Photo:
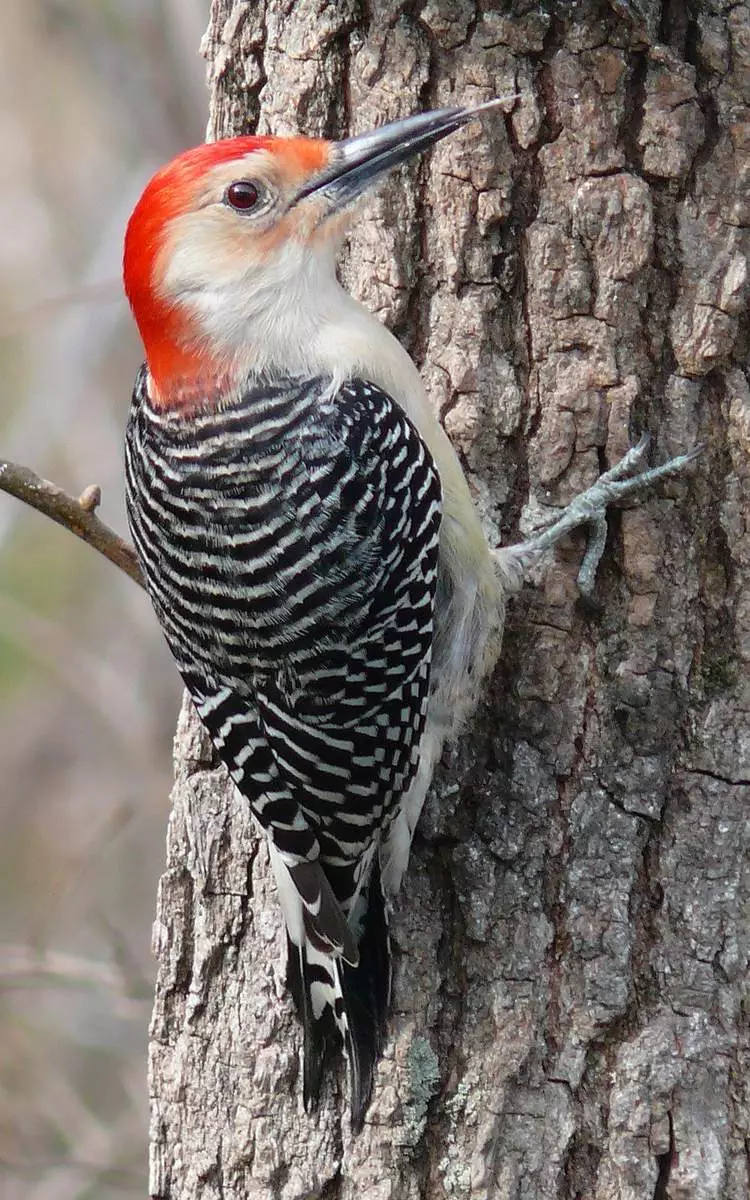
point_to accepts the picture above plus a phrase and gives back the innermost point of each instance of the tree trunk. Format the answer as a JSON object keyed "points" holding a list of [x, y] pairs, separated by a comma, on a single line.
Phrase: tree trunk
{"points": [[570, 1000]]}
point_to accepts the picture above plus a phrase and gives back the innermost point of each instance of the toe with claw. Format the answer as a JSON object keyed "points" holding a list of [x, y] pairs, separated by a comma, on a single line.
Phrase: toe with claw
{"points": [[626, 478]]}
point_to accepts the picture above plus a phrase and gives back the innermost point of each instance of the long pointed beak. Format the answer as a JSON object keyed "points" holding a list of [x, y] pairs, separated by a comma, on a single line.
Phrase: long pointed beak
{"points": [[359, 162]]}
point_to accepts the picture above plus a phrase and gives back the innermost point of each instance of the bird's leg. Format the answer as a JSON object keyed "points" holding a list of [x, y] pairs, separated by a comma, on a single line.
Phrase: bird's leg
{"points": [[590, 508]]}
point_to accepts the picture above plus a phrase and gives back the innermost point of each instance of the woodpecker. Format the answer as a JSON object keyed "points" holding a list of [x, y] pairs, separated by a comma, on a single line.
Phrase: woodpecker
{"points": [[309, 541]]}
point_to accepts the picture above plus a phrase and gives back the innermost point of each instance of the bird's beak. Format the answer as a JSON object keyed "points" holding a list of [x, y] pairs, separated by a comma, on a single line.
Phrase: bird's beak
{"points": [[359, 162]]}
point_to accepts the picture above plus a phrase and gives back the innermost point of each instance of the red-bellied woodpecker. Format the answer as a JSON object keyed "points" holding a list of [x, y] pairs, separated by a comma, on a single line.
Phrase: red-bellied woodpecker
{"points": [[309, 541]]}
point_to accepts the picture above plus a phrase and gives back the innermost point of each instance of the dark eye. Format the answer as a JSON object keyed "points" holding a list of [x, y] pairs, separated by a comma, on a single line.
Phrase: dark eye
{"points": [[242, 195]]}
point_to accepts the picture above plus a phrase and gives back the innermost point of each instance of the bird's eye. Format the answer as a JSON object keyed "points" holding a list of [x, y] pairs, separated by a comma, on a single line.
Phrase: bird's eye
{"points": [[243, 195]]}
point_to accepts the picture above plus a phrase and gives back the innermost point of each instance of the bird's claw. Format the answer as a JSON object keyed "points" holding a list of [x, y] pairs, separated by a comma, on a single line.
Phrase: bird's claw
{"points": [[625, 478]]}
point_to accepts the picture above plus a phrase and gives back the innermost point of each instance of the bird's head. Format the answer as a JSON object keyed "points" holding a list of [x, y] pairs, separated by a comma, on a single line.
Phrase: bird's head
{"points": [[231, 248]]}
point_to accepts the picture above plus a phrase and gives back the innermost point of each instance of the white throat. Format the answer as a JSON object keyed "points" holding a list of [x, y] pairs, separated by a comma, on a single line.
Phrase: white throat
{"points": [[291, 315]]}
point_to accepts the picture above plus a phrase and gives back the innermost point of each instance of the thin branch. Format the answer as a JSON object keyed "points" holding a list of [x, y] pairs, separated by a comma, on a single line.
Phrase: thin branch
{"points": [[76, 515]]}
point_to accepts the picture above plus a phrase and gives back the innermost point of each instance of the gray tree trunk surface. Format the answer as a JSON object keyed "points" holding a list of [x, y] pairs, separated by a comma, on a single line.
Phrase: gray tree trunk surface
{"points": [[570, 1011]]}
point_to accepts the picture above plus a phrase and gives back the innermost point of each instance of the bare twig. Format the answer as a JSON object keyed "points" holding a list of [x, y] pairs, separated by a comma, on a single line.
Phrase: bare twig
{"points": [[76, 515]]}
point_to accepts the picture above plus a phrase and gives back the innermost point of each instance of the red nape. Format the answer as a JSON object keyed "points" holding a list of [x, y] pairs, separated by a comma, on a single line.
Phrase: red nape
{"points": [[171, 192], [168, 194]]}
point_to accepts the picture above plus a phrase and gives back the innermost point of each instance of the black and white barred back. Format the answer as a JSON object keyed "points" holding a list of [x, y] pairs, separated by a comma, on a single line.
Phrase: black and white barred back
{"points": [[289, 541]]}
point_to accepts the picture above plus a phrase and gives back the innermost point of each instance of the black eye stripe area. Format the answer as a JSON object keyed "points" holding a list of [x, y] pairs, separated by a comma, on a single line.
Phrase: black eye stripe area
{"points": [[242, 195]]}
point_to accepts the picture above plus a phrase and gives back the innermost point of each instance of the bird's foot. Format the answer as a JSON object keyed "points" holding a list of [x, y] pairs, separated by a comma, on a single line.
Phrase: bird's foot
{"points": [[627, 477]]}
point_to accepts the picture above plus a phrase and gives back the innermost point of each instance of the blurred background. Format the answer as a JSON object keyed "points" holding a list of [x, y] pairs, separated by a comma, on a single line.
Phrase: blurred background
{"points": [[93, 96]]}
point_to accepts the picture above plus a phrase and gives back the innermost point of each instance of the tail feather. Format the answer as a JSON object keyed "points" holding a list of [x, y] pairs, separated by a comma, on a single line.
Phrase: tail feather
{"points": [[324, 922], [366, 991], [340, 1002], [320, 1034]]}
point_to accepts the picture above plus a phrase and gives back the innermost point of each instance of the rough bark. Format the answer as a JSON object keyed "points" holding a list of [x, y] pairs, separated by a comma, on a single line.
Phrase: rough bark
{"points": [[570, 1002]]}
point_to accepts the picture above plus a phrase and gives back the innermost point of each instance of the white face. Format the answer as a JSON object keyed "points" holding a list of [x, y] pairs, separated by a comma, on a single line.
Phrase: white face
{"points": [[252, 272]]}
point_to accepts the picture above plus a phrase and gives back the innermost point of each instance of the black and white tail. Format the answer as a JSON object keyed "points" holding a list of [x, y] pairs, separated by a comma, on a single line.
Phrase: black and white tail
{"points": [[340, 1000]]}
